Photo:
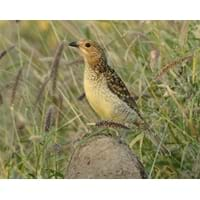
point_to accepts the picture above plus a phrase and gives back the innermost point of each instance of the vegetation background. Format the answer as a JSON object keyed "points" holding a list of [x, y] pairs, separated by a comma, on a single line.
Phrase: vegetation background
{"points": [[41, 118]]}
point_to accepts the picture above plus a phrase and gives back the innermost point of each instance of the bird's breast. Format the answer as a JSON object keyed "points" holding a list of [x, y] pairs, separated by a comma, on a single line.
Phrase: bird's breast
{"points": [[107, 105], [98, 96]]}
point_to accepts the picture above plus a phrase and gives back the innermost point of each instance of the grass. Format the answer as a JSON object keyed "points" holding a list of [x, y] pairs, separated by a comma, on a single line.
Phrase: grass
{"points": [[41, 79]]}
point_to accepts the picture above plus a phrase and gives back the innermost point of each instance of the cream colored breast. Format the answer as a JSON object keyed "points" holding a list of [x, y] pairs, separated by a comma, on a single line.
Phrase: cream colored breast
{"points": [[98, 97]]}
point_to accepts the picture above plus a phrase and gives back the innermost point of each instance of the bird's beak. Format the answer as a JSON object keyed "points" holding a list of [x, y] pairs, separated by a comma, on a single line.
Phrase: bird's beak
{"points": [[74, 44]]}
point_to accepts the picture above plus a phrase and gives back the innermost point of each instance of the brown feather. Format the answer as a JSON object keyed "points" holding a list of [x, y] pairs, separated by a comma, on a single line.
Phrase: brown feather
{"points": [[117, 86]]}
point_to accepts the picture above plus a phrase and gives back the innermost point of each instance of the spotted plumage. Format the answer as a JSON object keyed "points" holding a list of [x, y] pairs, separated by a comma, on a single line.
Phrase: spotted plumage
{"points": [[116, 85], [105, 91]]}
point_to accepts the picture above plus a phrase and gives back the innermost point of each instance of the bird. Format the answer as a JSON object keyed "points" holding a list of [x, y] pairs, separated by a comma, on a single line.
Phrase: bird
{"points": [[105, 91]]}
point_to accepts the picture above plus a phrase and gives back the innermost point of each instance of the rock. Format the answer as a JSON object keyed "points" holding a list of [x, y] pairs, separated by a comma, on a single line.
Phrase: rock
{"points": [[104, 157]]}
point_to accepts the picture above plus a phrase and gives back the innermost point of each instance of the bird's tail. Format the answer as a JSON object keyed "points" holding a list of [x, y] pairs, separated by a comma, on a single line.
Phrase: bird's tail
{"points": [[152, 137]]}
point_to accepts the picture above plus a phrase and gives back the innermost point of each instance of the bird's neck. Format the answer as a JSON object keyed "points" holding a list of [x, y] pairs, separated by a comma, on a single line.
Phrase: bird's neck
{"points": [[96, 69], [90, 73]]}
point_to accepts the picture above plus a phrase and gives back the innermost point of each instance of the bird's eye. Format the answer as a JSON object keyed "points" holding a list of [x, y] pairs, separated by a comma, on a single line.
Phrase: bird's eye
{"points": [[87, 44]]}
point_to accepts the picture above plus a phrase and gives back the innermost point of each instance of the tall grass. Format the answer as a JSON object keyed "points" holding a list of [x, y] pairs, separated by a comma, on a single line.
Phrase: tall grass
{"points": [[41, 78]]}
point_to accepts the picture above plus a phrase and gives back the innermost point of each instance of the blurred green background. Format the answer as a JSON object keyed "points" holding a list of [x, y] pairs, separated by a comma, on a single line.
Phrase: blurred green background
{"points": [[38, 130]]}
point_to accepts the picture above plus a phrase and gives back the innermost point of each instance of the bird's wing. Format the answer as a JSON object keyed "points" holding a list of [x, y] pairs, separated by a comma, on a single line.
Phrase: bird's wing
{"points": [[117, 86]]}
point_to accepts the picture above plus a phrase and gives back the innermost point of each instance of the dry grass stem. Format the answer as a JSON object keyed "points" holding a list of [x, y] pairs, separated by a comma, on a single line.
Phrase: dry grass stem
{"points": [[55, 65], [50, 118], [172, 64], [14, 90], [109, 124], [3, 53]]}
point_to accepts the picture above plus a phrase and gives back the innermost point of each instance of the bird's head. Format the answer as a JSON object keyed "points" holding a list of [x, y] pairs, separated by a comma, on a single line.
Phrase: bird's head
{"points": [[91, 51]]}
